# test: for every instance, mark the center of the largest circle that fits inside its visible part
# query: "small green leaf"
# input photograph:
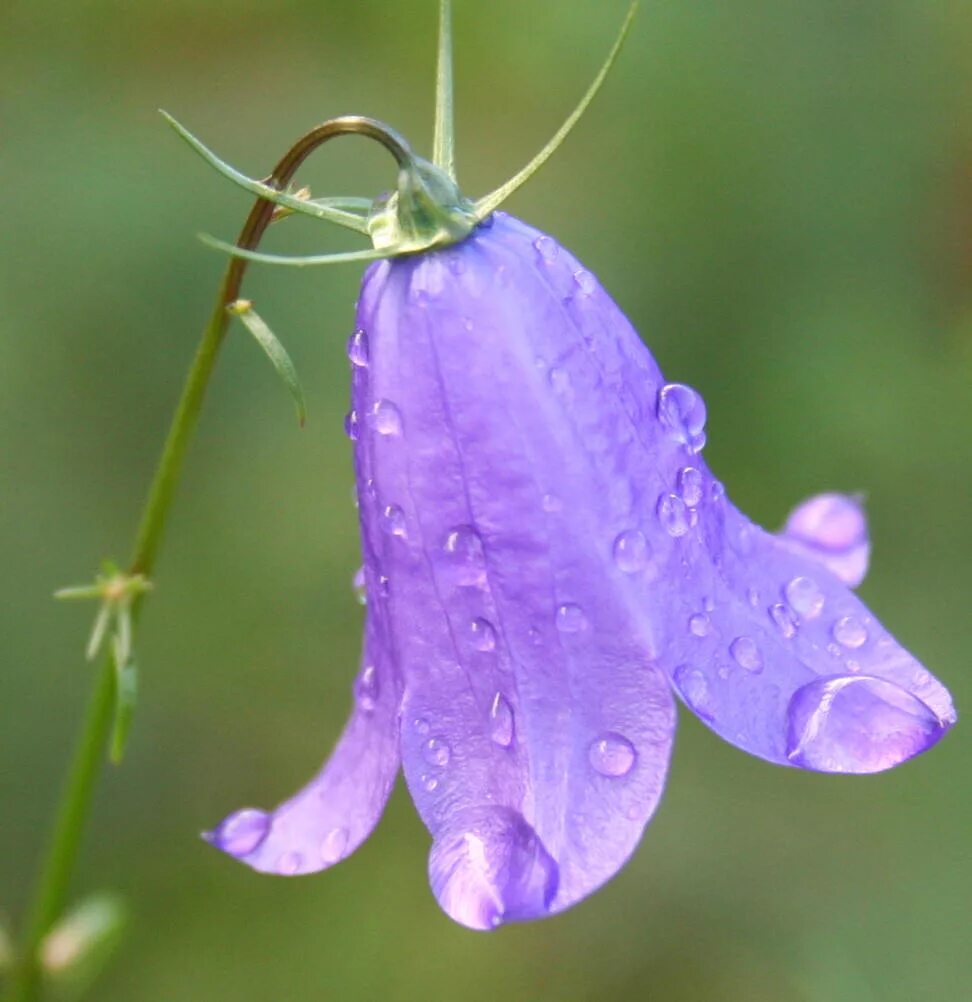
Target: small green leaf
(98, 631)
(275, 351)
(126, 691)
(74, 952)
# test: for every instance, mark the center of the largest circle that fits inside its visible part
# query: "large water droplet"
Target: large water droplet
(673, 515)
(745, 653)
(611, 755)
(352, 426)
(437, 752)
(501, 721)
(571, 618)
(386, 418)
(366, 688)
(681, 412)
(856, 723)
(393, 521)
(358, 584)
(631, 551)
(289, 863)
(483, 635)
(850, 632)
(334, 846)
(700, 624)
(547, 249)
(805, 597)
(783, 618)
(694, 687)
(691, 486)
(241, 832)
(358, 351)
(490, 867)
(466, 556)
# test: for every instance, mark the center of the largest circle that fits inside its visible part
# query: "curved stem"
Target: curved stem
(57, 867)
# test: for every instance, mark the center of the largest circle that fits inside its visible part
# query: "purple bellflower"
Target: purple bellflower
(548, 563)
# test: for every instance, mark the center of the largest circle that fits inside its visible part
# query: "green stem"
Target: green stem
(57, 866)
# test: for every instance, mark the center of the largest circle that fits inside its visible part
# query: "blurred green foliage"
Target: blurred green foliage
(778, 193)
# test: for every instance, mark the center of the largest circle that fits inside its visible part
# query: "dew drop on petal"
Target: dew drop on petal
(559, 380)
(386, 418)
(783, 618)
(352, 425)
(430, 783)
(745, 653)
(699, 624)
(241, 832)
(437, 752)
(858, 724)
(490, 867)
(611, 755)
(694, 687)
(673, 515)
(691, 486)
(358, 584)
(805, 597)
(571, 618)
(335, 845)
(717, 491)
(547, 249)
(393, 521)
(421, 726)
(631, 551)
(358, 352)
(552, 503)
(289, 863)
(585, 282)
(483, 635)
(464, 549)
(850, 631)
(366, 688)
(681, 412)
(501, 721)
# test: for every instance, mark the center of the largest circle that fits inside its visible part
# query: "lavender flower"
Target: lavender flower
(548, 560)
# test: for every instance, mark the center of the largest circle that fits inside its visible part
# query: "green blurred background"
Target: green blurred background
(778, 193)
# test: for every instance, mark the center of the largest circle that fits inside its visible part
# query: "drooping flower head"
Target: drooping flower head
(548, 561)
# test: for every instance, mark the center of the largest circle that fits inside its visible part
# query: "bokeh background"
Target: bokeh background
(778, 193)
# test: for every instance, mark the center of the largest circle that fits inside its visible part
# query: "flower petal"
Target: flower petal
(336, 811)
(831, 528)
(536, 729)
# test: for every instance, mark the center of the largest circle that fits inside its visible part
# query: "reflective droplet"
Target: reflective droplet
(571, 618)
(437, 752)
(694, 687)
(335, 845)
(384, 586)
(611, 755)
(586, 282)
(552, 503)
(366, 688)
(430, 783)
(691, 487)
(358, 352)
(289, 863)
(673, 515)
(805, 597)
(700, 624)
(483, 635)
(466, 556)
(420, 725)
(681, 412)
(631, 551)
(559, 380)
(850, 632)
(547, 249)
(358, 584)
(753, 595)
(393, 521)
(352, 425)
(783, 618)
(501, 721)
(386, 418)
(241, 832)
(745, 653)
(856, 723)
(490, 867)
(717, 491)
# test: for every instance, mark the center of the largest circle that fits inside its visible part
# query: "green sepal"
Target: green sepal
(274, 350)
(295, 261)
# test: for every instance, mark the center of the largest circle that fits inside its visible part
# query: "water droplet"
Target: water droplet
(386, 418)
(483, 635)
(681, 412)
(805, 597)
(922, 677)
(559, 380)
(420, 725)
(631, 551)
(673, 515)
(850, 632)
(585, 282)
(289, 863)
(358, 584)
(241, 832)
(489, 867)
(335, 845)
(745, 653)
(611, 755)
(547, 249)
(430, 783)
(437, 752)
(465, 551)
(384, 586)
(501, 721)
(717, 491)
(694, 687)
(691, 486)
(571, 618)
(366, 688)
(352, 425)
(358, 351)
(552, 503)
(393, 521)
(783, 618)
(753, 595)
(700, 624)
(856, 723)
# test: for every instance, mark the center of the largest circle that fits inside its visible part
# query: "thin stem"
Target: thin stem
(57, 867)
(444, 139)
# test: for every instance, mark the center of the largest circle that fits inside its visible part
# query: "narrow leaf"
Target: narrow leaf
(98, 631)
(299, 261)
(126, 692)
(275, 351)
(444, 141)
